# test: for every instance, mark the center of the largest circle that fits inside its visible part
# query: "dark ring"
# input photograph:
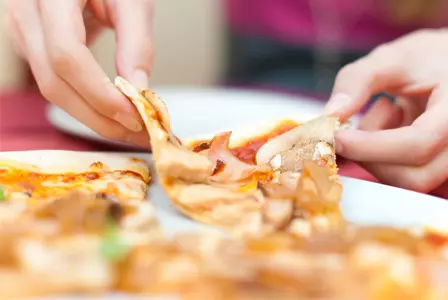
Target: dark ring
(382, 95)
(377, 97)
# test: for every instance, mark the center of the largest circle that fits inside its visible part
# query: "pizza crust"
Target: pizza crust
(48, 174)
(62, 161)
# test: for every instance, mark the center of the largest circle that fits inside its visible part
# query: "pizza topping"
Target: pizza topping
(139, 222)
(97, 165)
(201, 147)
(75, 212)
(27, 185)
(232, 168)
(247, 151)
(113, 246)
(219, 167)
(70, 265)
(111, 194)
(116, 211)
(316, 192)
(278, 212)
(306, 142)
(2, 194)
(252, 185)
(80, 212)
(92, 176)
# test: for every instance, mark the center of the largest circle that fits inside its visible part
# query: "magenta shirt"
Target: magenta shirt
(347, 24)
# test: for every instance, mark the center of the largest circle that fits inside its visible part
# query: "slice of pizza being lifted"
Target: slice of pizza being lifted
(288, 182)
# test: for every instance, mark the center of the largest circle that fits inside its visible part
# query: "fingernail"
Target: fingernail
(337, 103)
(140, 78)
(128, 122)
(339, 148)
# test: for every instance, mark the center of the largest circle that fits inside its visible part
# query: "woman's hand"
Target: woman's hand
(54, 36)
(403, 144)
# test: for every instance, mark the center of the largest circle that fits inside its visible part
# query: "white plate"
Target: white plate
(199, 111)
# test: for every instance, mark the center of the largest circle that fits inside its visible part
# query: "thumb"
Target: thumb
(132, 21)
(380, 71)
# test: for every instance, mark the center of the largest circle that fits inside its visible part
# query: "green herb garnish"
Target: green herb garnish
(2, 193)
(113, 248)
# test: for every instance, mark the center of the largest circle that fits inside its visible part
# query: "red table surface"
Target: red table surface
(23, 126)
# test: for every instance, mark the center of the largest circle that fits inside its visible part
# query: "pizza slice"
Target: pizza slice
(30, 177)
(248, 186)
(67, 219)
(351, 263)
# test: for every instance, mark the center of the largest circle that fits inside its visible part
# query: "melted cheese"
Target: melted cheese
(21, 185)
(6, 164)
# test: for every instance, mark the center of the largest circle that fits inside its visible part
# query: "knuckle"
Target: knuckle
(411, 178)
(422, 156)
(360, 69)
(418, 180)
(61, 58)
(431, 144)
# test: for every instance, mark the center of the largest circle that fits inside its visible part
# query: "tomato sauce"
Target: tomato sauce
(436, 239)
(248, 151)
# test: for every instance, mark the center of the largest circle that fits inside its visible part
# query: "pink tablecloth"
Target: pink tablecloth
(23, 126)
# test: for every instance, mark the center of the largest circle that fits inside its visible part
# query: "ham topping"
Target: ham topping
(230, 167)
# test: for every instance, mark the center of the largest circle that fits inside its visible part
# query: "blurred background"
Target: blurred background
(227, 54)
(194, 27)
(295, 45)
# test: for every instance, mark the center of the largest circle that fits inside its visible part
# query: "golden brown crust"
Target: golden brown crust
(61, 161)
(31, 177)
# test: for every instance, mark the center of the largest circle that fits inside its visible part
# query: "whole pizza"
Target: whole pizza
(78, 223)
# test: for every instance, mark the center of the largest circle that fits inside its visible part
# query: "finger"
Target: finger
(414, 145)
(422, 179)
(11, 26)
(382, 115)
(93, 26)
(55, 89)
(72, 61)
(132, 22)
(357, 82)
